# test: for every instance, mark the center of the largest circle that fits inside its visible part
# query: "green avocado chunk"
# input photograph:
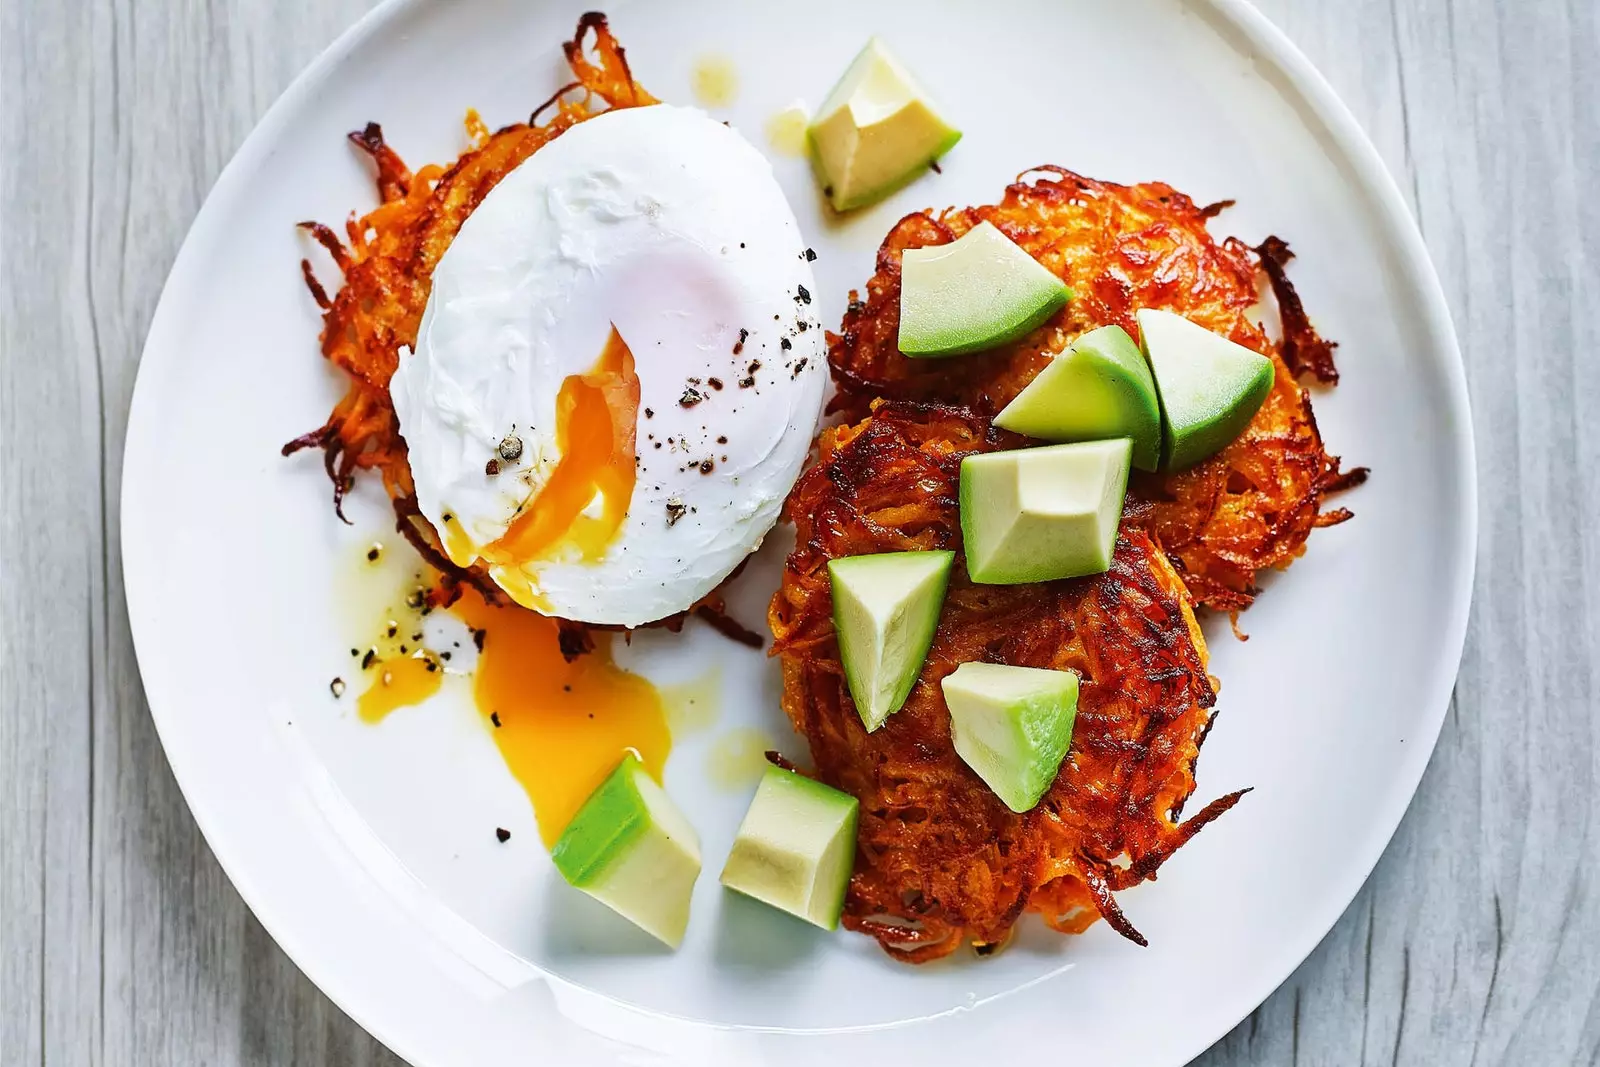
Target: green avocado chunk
(885, 612)
(1012, 726)
(1038, 514)
(1100, 387)
(876, 131)
(979, 291)
(630, 848)
(795, 848)
(1210, 387)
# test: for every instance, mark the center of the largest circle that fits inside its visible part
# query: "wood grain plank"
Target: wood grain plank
(184, 86)
(49, 545)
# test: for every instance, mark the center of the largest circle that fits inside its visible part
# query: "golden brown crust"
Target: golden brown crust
(1123, 248)
(941, 860)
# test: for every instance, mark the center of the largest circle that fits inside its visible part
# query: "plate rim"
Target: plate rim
(1261, 38)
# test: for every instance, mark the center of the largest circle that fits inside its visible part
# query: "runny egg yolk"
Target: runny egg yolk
(597, 416)
(399, 683)
(561, 726)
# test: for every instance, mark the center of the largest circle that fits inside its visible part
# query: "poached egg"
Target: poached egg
(618, 373)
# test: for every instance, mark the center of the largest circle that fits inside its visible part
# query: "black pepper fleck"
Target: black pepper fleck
(355, 652)
(811, 255)
(707, 466)
(802, 294)
(393, 629)
(478, 637)
(933, 165)
(691, 396)
(373, 553)
(720, 440)
(746, 383)
(799, 366)
(802, 326)
(675, 510)
(501, 834)
(784, 343)
(336, 687)
(715, 383)
(649, 414)
(369, 659)
(494, 717)
(738, 346)
(492, 467)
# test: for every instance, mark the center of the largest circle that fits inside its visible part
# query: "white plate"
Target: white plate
(368, 852)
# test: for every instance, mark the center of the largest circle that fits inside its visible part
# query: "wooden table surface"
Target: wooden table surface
(1477, 941)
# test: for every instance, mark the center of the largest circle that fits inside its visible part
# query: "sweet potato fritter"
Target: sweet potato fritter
(1122, 248)
(388, 273)
(941, 860)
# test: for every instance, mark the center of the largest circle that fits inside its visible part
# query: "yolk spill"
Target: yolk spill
(562, 726)
(398, 669)
(399, 683)
(597, 415)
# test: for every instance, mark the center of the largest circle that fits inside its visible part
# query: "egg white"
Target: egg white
(668, 225)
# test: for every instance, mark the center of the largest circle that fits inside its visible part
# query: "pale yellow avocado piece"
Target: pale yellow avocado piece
(632, 849)
(795, 848)
(1012, 725)
(1039, 514)
(876, 131)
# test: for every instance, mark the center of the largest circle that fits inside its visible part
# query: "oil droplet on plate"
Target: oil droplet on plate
(786, 130)
(738, 758)
(399, 683)
(694, 705)
(714, 81)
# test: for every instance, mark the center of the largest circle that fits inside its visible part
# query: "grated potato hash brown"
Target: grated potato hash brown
(941, 860)
(1122, 248)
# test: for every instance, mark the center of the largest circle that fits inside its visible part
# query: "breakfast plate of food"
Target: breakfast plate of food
(706, 531)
